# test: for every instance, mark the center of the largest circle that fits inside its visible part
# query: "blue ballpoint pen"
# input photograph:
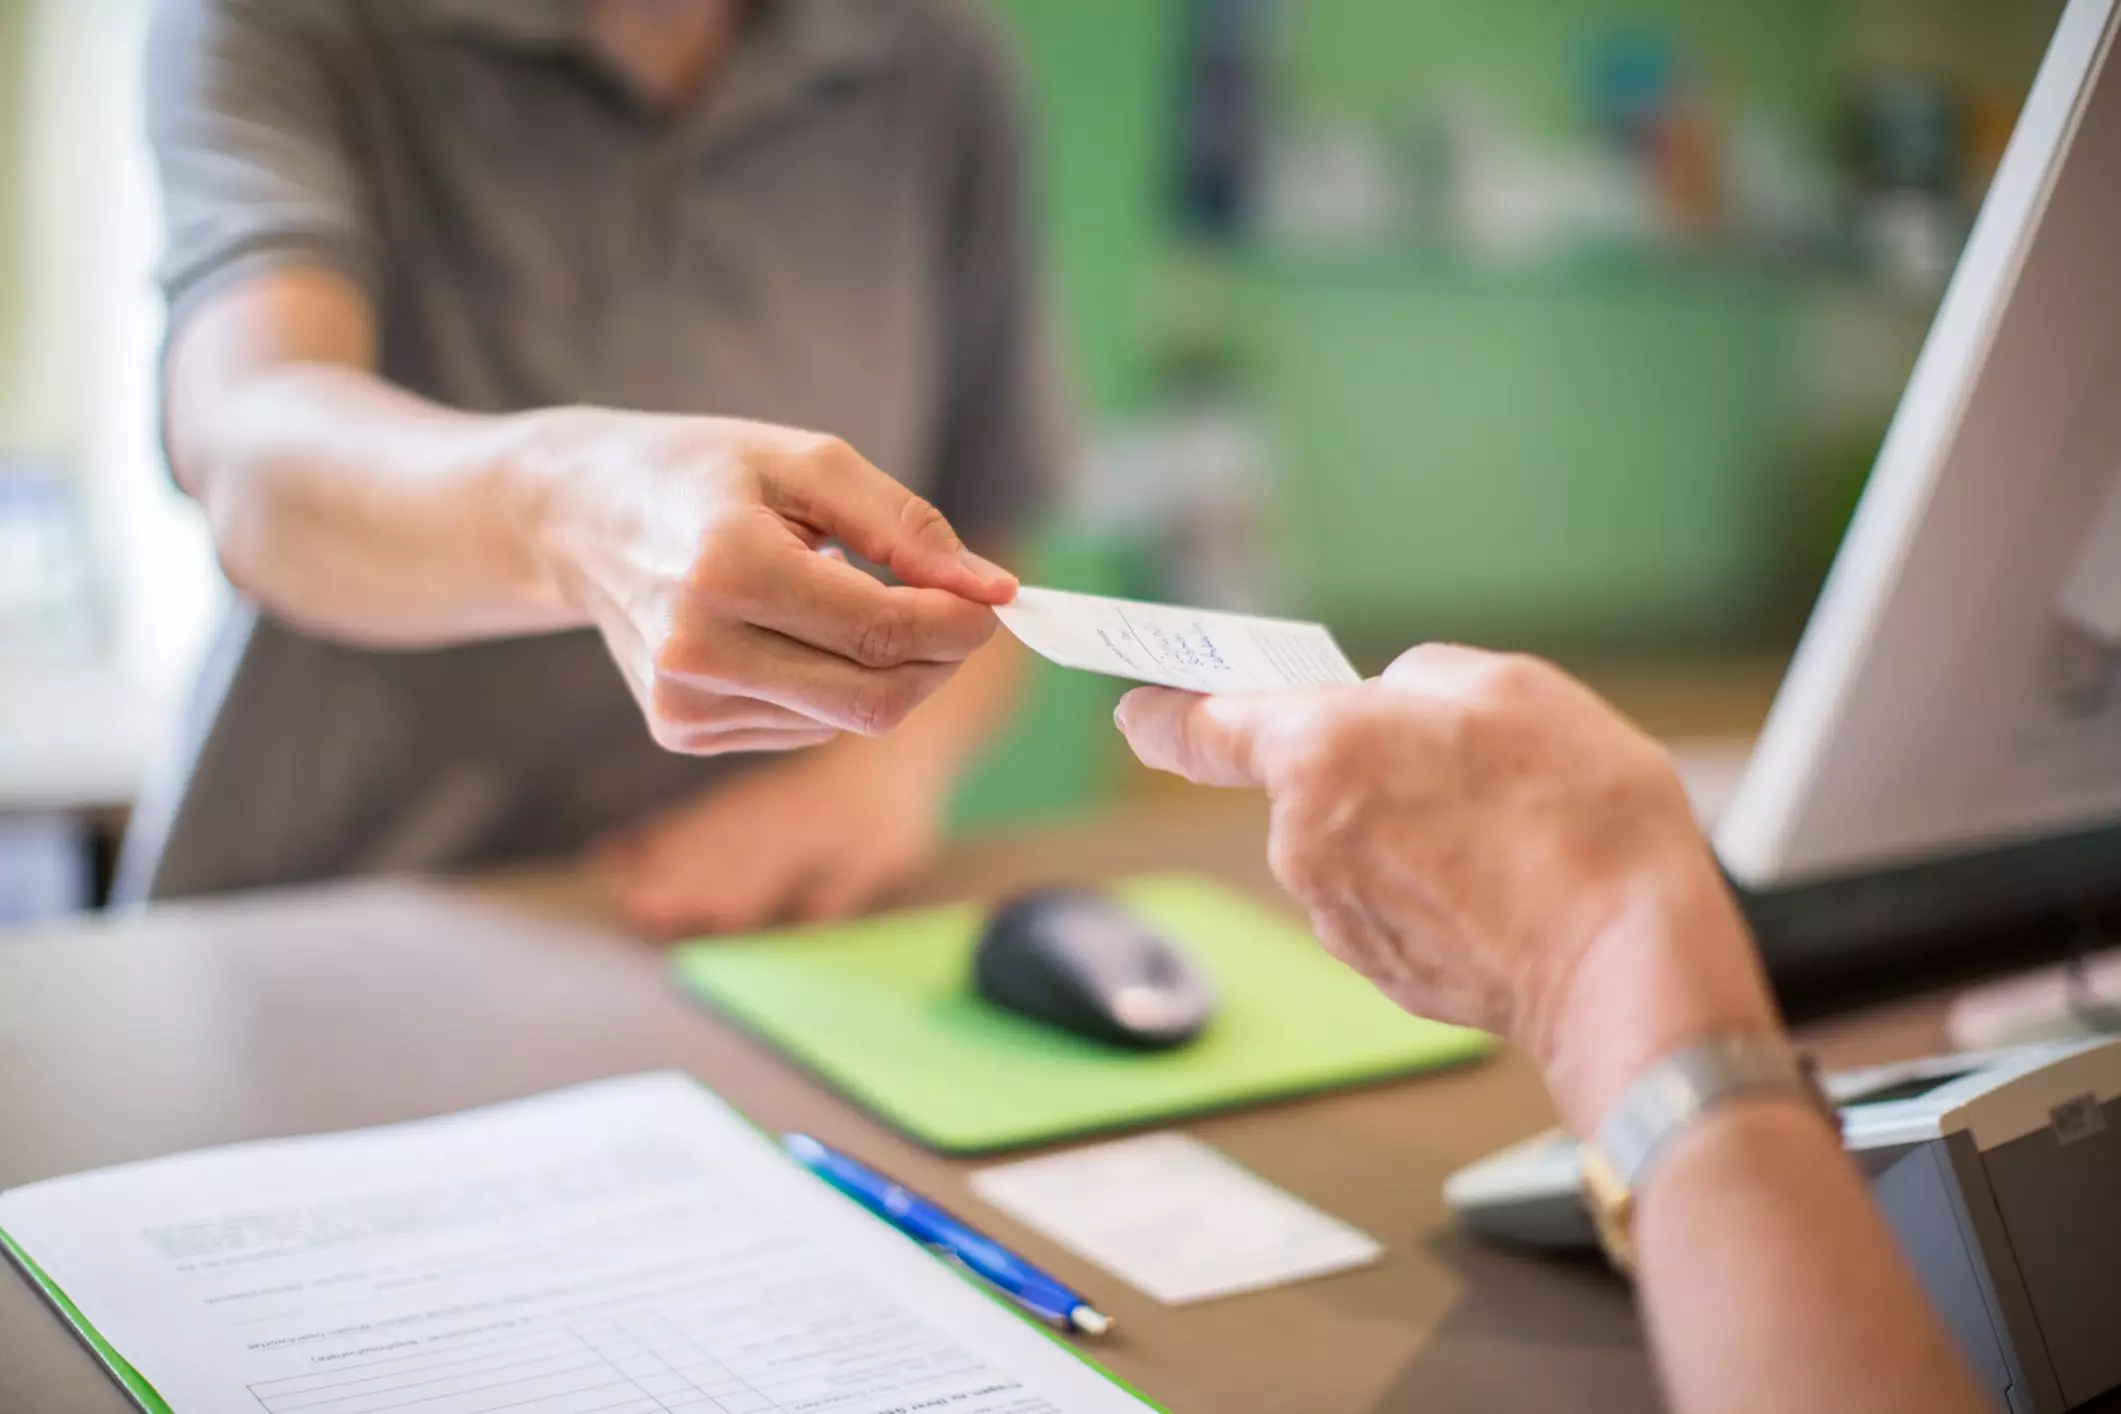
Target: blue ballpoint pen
(930, 1226)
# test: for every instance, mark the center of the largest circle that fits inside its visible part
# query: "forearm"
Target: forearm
(1773, 1284)
(1491, 844)
(368, 514)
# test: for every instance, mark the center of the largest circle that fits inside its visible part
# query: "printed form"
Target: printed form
(1197, 650)
(625, 1247)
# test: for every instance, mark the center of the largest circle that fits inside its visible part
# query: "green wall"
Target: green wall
(1545, 455)
(1097, 74)
(1561, 457)
(1099, 79)
(1557, 457)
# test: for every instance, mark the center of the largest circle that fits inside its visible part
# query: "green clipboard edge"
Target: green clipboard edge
(144, 1395)
(739, 978)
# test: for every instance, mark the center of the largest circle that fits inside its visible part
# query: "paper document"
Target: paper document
(1174, 1218)
(1195, 649)
(626, 1247)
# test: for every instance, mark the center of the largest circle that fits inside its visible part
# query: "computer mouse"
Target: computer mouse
(1075, 959)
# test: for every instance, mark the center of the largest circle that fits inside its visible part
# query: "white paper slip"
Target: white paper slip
(1195, 649)
(626, 1247)
(1174, 1218)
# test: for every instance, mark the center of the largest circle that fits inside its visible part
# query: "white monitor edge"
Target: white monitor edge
(1756, 835)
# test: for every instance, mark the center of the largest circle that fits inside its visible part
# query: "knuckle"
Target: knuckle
(678, 702)
(1180, 749)
(1509, 681)
(675, 665)
(1420, 658)
(884, 639)
(720, 572)
(1509, 712)
(669, 734)
(1344, 949)
(1295, 857)
(831, 450)
(1336, 751)
(920, 520)
(727, 542)
(880, 705)
(825, 456)
(669, 696)
(1346, 742)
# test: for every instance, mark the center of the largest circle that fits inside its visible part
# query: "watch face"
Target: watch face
(1617, 1237)
(1611, 1205)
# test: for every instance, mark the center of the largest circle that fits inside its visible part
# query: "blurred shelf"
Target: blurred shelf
(1616, 272)
(1617, 268)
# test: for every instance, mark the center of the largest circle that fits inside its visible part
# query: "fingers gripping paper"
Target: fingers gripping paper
(1197, 650)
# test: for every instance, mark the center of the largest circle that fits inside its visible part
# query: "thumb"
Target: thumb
(1211, 741)
(835, 491)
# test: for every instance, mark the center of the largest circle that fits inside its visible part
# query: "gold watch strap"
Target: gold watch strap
(1669, 1098)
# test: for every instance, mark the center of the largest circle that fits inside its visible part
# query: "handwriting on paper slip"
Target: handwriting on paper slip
(1198, 650)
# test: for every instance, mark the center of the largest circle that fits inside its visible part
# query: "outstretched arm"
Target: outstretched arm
(1492, 845)
(361, 511)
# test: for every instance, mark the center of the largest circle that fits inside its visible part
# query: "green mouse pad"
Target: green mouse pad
(883, 1009)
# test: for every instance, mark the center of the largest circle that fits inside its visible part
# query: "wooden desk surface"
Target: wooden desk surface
(332, 1008)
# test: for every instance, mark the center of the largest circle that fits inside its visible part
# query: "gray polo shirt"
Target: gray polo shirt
(833, 236)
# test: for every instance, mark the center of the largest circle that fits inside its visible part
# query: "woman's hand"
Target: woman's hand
(1490, 844)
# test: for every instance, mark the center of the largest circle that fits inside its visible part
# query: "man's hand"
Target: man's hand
(692, 544)
(811, 838)
(354, 508)
(1490, 844)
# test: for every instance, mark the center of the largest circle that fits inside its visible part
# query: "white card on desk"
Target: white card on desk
(1195, 649)
(1174, 1218)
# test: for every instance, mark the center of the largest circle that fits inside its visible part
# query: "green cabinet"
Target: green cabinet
(1553, 456)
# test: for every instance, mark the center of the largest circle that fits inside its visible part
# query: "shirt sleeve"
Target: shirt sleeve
(250, 134)
(1007, 433)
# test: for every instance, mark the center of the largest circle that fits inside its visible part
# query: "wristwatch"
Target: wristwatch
(1666, 1100)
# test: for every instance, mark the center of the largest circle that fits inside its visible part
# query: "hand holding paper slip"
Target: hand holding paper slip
(1197, 650)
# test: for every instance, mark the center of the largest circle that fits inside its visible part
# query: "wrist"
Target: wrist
(534, 462)
(1671, 965)
(1683, 1094)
